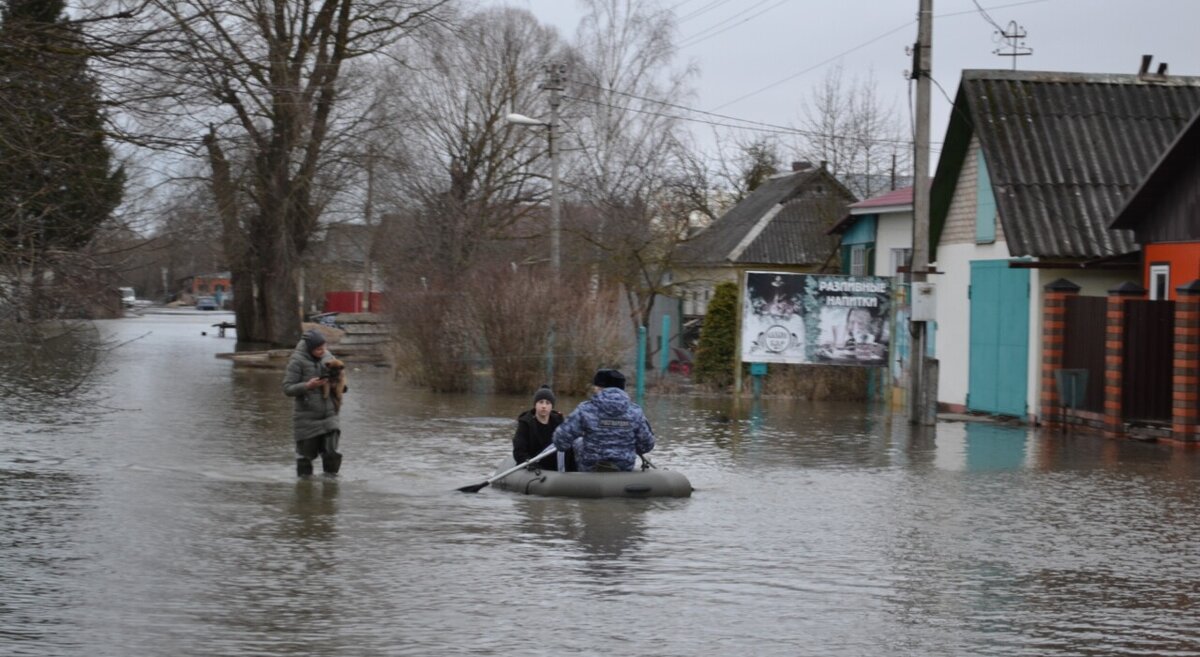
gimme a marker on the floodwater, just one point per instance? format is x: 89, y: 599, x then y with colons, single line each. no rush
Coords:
x: 156, y: 513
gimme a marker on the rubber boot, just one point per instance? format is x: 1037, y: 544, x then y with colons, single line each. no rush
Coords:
x: 304, y: 468
x: 331, y: 463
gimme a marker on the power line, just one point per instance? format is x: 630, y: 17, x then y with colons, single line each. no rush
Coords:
x: 772, y: 127
x: 860, y: 47
x: 767, y: 127
x: 986, y: 16
x: 702, y: 36
x: 815, y: 66
x: 703, y: 10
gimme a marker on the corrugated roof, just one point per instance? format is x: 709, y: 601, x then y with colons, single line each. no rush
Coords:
x: 795, y: 236
x: 1176, y: 158
x: 901, y: 196
x: 1066, y: 150
x: 717, y: 243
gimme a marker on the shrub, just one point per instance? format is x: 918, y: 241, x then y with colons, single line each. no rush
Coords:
x: 718, y: 338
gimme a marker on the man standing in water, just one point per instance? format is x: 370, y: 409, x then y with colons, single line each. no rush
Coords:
x: 315, y: 425
x: 608, y: 432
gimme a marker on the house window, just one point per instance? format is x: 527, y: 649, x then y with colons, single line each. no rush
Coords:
x: 858, y: 260
x: 900, y: 258
x: 1160, y: 282
x: 985, y: 205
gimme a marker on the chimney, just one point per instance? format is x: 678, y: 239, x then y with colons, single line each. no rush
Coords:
x: 1144, y: 73
x: 802, y: 165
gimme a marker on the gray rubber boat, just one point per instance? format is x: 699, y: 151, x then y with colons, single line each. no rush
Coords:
x: 639, y: 483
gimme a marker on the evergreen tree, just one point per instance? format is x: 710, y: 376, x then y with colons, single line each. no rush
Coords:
x: 718, y: 338
x: 57, y: 182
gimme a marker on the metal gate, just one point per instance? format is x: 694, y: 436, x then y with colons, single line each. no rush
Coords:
x: 999, y: 338
x: 1149, y: 349
x: 1083, y: 345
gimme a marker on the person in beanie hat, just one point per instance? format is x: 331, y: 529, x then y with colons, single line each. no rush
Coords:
x: 608, y: 431
x: 535, y: 429
x: 315, y: 425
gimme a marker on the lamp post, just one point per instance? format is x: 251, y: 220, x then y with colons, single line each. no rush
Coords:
x: 555, y: 217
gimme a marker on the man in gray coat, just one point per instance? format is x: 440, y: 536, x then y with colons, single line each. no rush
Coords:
x: 315, y: 425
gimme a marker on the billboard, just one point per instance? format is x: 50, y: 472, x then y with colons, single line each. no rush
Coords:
x: 815, y: 319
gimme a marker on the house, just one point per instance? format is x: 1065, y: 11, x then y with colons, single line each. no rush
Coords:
x: 781, y: 226
x: 876, y: 235
x: 1164, y: 215
x: 876, y: 240
x: 341, y: 273
x: 217, y: 285
x: 1034, y: 168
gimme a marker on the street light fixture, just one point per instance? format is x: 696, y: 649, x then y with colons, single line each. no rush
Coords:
x: 555, y: 212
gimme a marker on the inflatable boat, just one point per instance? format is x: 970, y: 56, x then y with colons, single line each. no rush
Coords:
x: 551, y: 483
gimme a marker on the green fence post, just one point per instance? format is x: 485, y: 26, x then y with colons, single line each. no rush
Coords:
x: 641, y: 364
x: 664, y: 346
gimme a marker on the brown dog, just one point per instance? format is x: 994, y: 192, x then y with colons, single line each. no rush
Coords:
x: 333, y: 382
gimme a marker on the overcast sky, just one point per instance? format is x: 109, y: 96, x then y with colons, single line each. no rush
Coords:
x: 759, y: 59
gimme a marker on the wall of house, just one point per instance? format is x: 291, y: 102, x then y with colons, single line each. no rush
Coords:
x: 1183, y: 257
x: 894, y: 231
x: 960, y: 221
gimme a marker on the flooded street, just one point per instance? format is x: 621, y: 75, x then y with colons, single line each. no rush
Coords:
x: 160, y: 515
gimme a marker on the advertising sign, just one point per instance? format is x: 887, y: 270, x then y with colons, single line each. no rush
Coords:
x: 815, y: 319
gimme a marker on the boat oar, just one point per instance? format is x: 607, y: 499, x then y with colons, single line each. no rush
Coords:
x: 475, y: 488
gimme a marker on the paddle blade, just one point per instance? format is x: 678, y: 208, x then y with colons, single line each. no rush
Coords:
x: 474, y: 488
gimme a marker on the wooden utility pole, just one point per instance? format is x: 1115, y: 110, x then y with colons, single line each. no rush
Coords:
x: 918, y: 388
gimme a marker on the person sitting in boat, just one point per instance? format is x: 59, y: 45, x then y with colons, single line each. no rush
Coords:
x: 607, y: 432
x: 535, y: 429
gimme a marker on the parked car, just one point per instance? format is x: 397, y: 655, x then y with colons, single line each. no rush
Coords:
x: 206, y: 303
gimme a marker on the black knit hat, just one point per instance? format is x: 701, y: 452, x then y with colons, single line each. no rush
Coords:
x: 544, y: 392
x: 607, y: 378
x: 313, y: 339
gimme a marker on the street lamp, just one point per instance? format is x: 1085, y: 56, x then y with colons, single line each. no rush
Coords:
x: 555, y: 221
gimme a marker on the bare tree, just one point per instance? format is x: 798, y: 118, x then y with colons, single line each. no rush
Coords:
x: 269, y: 86
x: 470, y: 175
x: 631, y: 155
x: 859, y: 137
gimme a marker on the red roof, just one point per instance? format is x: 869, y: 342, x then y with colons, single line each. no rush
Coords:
x: 902, y: 196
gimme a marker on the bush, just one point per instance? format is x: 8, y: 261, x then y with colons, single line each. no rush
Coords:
x: 434, y: 338
x: 512, y: 311
x: 718, y: 338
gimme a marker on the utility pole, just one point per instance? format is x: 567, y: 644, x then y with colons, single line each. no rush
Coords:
x: 919, y: 267
x: 554, y: 84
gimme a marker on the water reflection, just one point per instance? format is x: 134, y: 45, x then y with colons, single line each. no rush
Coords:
x: 606, y: 533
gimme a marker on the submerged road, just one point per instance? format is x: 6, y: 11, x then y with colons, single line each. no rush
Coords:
x: 156, y: 513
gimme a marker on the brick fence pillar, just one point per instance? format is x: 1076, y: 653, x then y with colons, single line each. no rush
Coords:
x: 1054, y: 326
x: 1185, y: 384
x: 1114, y: 356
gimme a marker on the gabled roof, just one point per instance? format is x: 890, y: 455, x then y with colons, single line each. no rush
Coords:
x: 893, y: 198
x: 1063, y: 151
x: 896, y: 200
x: 773, y: 225
x: 1179, y: 154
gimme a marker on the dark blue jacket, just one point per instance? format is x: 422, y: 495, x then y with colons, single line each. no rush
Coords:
x: 613, y: 429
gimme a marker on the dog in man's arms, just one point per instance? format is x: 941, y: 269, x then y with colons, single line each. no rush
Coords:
x: 333, y: 382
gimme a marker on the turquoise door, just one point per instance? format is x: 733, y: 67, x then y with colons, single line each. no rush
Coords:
x: 999, y: 361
